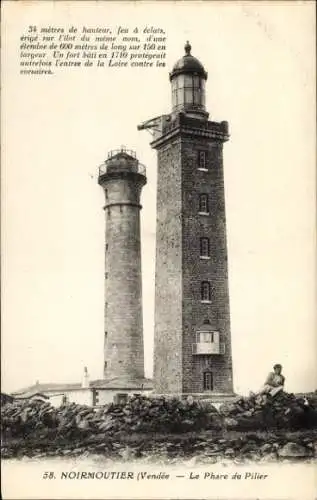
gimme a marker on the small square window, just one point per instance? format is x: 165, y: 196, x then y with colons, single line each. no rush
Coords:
x: 205, y: 337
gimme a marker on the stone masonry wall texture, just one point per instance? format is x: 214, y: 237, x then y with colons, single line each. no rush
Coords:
x: 168, y: 276
x: 179, y: 312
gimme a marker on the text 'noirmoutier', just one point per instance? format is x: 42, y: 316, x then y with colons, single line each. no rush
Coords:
x: 144, y: 475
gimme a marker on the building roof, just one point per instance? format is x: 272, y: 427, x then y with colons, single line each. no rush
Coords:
x: 188, y: 64
x: 123, y: 383
x: 6, y: 398
x: 29, y: 395
x: 36, y: 388
x: 115, y: 383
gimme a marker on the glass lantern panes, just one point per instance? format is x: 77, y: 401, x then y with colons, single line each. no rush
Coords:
x: 197, y: 82
x: 188, y: 96
x: 188, y: 91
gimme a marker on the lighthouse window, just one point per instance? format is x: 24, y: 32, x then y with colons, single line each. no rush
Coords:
x: 208, y: 381
x: 203, y: 204
x: 205, y: 291
x: 204, y: 337
x: 204, y: 247
x: 202, y: 159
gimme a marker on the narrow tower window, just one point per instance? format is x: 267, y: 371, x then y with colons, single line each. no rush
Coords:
x: 203, y: 204
x: 205, y: 291
x: 208, y: 381
x: 202, y: 160
x: 204, y: 248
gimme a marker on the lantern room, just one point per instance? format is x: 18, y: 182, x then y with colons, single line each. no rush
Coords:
x: 188, y: 79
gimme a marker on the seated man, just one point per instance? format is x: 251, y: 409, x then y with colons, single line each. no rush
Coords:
x: 274, y: 382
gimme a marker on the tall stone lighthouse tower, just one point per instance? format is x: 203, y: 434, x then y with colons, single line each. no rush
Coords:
x: 192, y: 344
x: 122, y: 178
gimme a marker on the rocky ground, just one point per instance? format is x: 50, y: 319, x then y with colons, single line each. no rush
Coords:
x: 256, y: 428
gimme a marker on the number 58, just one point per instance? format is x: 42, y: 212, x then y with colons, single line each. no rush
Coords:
x: 48, y: 475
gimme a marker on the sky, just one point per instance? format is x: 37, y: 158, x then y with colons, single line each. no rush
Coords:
x: 56, y: 132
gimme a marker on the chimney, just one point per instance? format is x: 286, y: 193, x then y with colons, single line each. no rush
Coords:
x: 85, y: 381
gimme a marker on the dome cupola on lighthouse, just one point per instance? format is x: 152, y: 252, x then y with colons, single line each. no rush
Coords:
x: 188, y: 78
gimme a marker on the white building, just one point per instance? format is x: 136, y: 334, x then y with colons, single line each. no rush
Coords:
x: 91, y: 393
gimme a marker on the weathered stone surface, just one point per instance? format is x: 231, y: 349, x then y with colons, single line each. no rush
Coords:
x: 229, y: 452
x: 294, y: 450
x: 265, y: 448
x: 284, y: 411
x: 158, y: 427
x: 230, y: 423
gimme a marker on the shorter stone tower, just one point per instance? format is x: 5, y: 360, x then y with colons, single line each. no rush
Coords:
x: 122, y: 178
